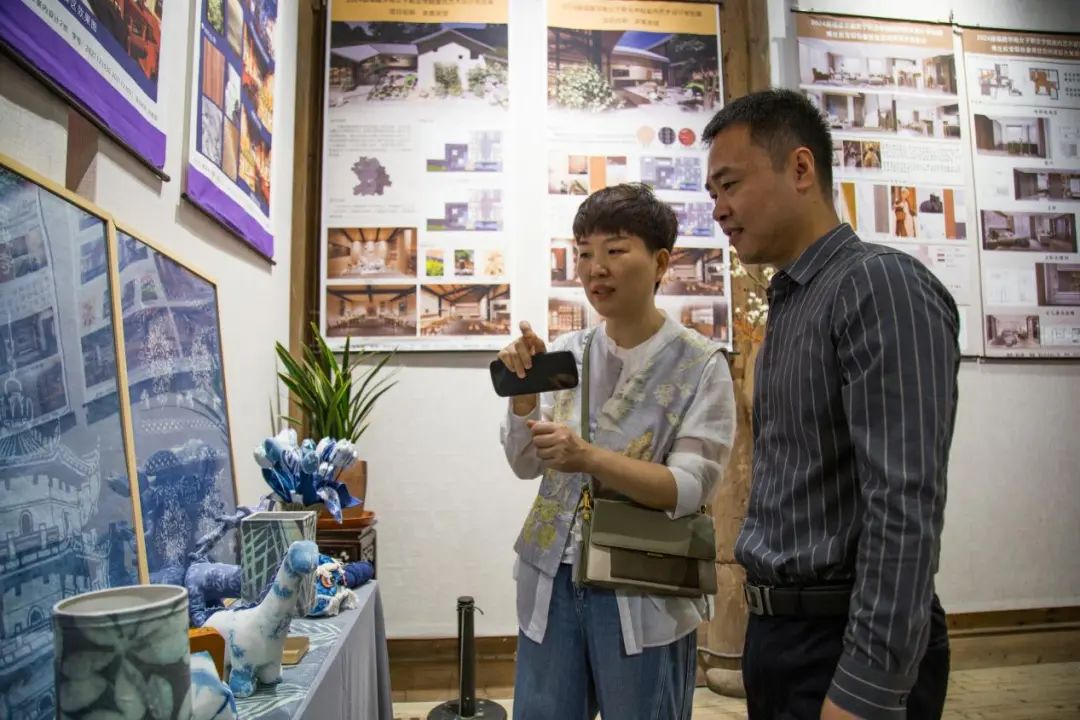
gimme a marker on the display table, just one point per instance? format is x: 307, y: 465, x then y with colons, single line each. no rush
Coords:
x: 345, y: 673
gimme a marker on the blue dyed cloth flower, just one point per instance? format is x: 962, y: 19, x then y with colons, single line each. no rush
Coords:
x: 307, y: 473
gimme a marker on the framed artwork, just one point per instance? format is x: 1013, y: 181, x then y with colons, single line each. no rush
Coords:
x: 180, y: 418
x: 68, y: 520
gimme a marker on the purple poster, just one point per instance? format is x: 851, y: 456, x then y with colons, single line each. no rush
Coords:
x: 104, y: 54
x: 232, y: 117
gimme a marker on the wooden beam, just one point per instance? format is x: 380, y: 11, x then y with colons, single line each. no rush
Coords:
x: 307, y: 182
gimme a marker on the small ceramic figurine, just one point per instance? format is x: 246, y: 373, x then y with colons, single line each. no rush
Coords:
x: 255, y: 636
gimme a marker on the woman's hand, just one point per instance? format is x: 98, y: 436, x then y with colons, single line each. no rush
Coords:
x: 560, y: 448
x: 518, y: 355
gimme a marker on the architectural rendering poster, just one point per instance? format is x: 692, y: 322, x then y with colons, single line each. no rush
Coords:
x: 231, y: 124
x: 1024, y: 93
x: 66, y: 508
x: 890, y: 92
x: 415, y: 249
x: 103, y: 54
x: 630, y: 86
x: 179, y: 415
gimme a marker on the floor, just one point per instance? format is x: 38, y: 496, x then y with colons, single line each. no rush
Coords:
x: 1027, y: 692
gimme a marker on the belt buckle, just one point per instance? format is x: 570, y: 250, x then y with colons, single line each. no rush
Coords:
x: 758, y: 599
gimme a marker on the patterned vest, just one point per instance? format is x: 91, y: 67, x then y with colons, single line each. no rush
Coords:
x: 640, y: 421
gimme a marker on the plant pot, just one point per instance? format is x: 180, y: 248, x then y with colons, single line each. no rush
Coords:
x: 357, y: 521
x: 355, y: 478
x: 265, y: 537
x: 123, y: 652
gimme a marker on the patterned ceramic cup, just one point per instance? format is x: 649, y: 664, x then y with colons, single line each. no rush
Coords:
x: 123, y: 652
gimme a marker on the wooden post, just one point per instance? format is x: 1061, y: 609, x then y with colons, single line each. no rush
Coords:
x: 307, y: 184
x: 745, y: 45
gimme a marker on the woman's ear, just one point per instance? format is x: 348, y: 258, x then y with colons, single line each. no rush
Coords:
x: 663, y: 262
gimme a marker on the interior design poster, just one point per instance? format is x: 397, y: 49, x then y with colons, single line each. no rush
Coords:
x: 630, y: 87
x: 891, y: 94
x: 1024, y: 93
x: 103, y: 54
x: 415, y: 251
x: 232, y: 116
x: 179, y: 414
x: 66, y: 508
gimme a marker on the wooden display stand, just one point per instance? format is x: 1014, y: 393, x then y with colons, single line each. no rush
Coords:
x: 348, y: 544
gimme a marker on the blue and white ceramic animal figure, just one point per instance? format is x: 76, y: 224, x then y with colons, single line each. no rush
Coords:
x: 211, y: 699
x: 255, y: 636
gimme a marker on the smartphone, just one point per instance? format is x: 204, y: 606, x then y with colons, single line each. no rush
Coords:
x: 549, y: 371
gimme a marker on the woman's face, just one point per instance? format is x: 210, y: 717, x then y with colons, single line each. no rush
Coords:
x: 619, y: 272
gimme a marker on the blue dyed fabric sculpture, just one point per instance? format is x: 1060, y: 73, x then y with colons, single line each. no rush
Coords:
x: 211, y: 699
x: 255, y: 637
x: 307, y: 473
x: 208, y: 585
x: 331, y: 593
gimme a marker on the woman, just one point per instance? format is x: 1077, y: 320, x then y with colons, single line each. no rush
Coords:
x: 662, y: 419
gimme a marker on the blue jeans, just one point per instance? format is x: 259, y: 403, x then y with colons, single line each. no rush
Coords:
x: 581, y: 667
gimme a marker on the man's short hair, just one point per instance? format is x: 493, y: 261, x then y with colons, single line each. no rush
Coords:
x: 780, y: 121
x: 630, y: 208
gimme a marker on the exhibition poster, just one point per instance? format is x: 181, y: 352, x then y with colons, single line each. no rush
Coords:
x: 630, y: 86
x: 891, y: 95
x: 1024, y: 94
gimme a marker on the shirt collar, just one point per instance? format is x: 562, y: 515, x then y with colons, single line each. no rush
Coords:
x: 815, y: 257
x: 663, y: 336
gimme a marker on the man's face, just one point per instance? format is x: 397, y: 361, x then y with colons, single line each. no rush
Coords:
x: 751, y: 200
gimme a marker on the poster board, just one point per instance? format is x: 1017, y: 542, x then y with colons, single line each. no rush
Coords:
x: 231, y: 121
x: 415, y: 245
x: 892, y: 94
x: 103, y: 56
x: 1024, y: 95
x: 630, y: 87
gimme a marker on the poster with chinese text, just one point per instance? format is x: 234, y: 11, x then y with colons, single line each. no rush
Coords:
x: 1024, y: 94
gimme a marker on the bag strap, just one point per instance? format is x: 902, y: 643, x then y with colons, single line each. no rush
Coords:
x: 586, y: 425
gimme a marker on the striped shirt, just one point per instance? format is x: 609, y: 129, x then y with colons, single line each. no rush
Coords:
x: 854, y: 403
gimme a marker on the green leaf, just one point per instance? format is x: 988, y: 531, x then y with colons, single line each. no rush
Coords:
x: 334, y: 396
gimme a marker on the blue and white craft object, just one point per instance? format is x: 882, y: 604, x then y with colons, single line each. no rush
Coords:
x: 307, y: 473
x: 331, y: 594
x: 265, y: 537
x: 211, y: 699
x: 255, y: 636
x: 122, y: 652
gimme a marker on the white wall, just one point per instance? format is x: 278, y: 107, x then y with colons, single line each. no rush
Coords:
x: 449, y: 509
x: 1012, y: 520
x: 253, y: 295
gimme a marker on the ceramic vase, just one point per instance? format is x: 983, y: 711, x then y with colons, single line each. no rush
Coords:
x: 265, y: 537
x: 123, y: 652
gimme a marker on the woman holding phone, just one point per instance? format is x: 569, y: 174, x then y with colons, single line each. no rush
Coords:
x: 662, y: 419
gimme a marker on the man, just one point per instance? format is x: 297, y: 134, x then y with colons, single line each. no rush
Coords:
x: 854, y: 404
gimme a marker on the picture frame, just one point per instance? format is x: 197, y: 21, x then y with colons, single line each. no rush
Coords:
x: 69, y: 516
x: 182, y: 434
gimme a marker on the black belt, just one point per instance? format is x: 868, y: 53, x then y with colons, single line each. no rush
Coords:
x: 808, y: 601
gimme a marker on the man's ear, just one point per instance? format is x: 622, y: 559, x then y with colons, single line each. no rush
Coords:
x: 804, y: 169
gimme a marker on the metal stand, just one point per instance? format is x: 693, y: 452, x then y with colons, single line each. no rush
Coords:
x: 467, y: 705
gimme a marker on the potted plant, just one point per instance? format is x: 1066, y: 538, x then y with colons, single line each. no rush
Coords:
x: 335, y: 398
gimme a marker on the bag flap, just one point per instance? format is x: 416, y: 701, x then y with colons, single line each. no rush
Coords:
x: 624, y: 525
